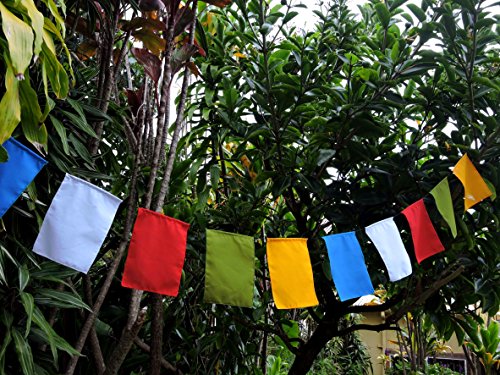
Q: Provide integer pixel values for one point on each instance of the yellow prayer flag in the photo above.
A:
(291, 273)
(475, 189)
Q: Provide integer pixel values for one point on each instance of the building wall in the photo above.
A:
(378, 342)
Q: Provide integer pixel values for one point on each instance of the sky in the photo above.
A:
(308, 18)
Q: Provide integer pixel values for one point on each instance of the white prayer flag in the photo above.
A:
(76, 224)
(386, 238)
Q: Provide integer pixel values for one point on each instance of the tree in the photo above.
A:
(291, 133)
(337, 128)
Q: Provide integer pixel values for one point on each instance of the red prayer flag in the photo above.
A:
(156, 253)
(425, 239)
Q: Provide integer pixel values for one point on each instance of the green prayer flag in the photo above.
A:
(230, 269)
(442, 196)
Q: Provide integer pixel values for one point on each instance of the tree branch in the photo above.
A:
(265, 328)
(367, 327)
(166, 365)
(120, 352)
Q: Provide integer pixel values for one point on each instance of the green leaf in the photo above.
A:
(81, 123)
(230, 97)
(492, 189)
(396, 3)
(417, 69)
(61, 131)
(29, 306)
(470, 328)
(276, 366)
(383, 14)
(52, 338)
(52, 70)
(31, 116)
(50, 28)
(325, 155)
(290, 16)
(395, 51)
(60, 299)
(51, 270)
(426, 32)
(24, 277)
(52, 6)
(20, 39)
(10, 106)
(214, 176)
(3, 278)
(316, 122)
(3, 349)
(23, 351)
(12, 259)
(37, 22)
(419, 13)
(41, 322)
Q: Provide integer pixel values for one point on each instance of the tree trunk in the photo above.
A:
(310, 350)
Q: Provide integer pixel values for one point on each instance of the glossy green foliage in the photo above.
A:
(30, 48)
(290, 133)
(299, 133)
(485, 344)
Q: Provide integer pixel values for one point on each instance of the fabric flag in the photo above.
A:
(17, 173)
(386, 238)
(76, 224)
(156, 253)
(291, 273)
(444, 204)
(475, 189)
(230, 269)
(425, 239)
(348, 266)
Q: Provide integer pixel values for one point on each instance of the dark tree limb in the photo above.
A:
(95, 346)
(129, 220)
(328, 327)
(267, 328)
(171, 369)
(157, 306)
(118, 355)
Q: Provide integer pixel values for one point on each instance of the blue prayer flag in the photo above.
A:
(17, 173)
(348, 266)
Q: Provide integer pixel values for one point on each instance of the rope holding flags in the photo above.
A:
(81, 215)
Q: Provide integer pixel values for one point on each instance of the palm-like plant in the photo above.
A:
(486, 346)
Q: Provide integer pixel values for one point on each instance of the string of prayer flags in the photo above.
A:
(444, 204)
(156, 253)
(76, 224)
(348, 266)
(425, 239)
(17, 173)
(386, 238)
(230, 269)
(291, 274)
(475, 189)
